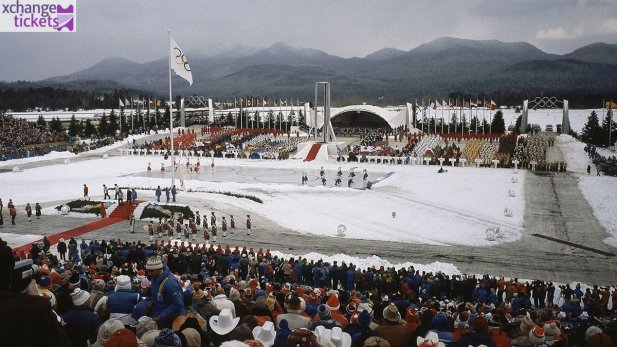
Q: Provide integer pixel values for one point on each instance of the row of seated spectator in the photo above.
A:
(251, 296)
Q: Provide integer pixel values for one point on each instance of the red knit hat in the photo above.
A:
(333, 303)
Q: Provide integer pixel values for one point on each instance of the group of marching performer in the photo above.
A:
(339, 177)
(191, 227)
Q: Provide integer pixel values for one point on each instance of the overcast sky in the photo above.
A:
(136, 29)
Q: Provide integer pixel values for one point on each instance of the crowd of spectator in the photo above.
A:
(20, 138)
(117, 293)
(607, 165)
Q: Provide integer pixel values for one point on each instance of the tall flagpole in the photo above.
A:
(171, 122)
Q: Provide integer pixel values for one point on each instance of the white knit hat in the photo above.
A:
(79, 296)
(154, 263)
(123, 282)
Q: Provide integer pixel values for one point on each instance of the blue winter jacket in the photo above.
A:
(122, 301)
(167, 303)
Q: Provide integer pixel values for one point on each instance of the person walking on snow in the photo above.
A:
(106, 192)
(248, 224)
(232, 223)
(12, 211)
(29, 212)
(132, 223)
(134, 196)
(167, 194)
(37, 209)
(173, 193)
(117, 191)
(157, 193)
(102, 211)
(224, 227)
(86, 192)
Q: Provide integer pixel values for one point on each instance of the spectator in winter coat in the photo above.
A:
(121, 302)
(23, 309)
(82, 324)
(294, 317)
(392, 330)
(324, 319)
(166, 297)
(479, 335)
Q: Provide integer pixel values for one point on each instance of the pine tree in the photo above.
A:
(498, 125)
(89, 129)
(113, 123)
(517, 125)
(591, 131)
(41, 122)
(103, 126)
(73, 127)
(606, 127)
(55, 124)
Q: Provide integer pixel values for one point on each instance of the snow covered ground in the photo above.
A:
(453, 208)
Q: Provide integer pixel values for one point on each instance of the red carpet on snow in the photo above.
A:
(120, 214)
(312, 154)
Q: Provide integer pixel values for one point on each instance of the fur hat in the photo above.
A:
(527, 324)
(376, 341)
(391, 313)
(234, 294)
(265, 333)
(154, 263)
(122, 338)
(591, 332)
(149, 336)
(192, 337)
(105, 330)
(302, 338)
(98, 284)
(224, 323)
(323, 311)
(333, 302)
(145, 324)
(79, 297)
(123, 282)
(551, 332)
(536, 335)
(167, 338)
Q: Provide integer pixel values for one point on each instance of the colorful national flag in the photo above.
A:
(493, 105)
(611, 105)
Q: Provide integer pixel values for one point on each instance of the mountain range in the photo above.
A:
(444, 67)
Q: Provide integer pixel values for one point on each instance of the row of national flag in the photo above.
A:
(253, 101)
(458, 104)
(139, 103)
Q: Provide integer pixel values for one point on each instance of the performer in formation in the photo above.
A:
(248, 224)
